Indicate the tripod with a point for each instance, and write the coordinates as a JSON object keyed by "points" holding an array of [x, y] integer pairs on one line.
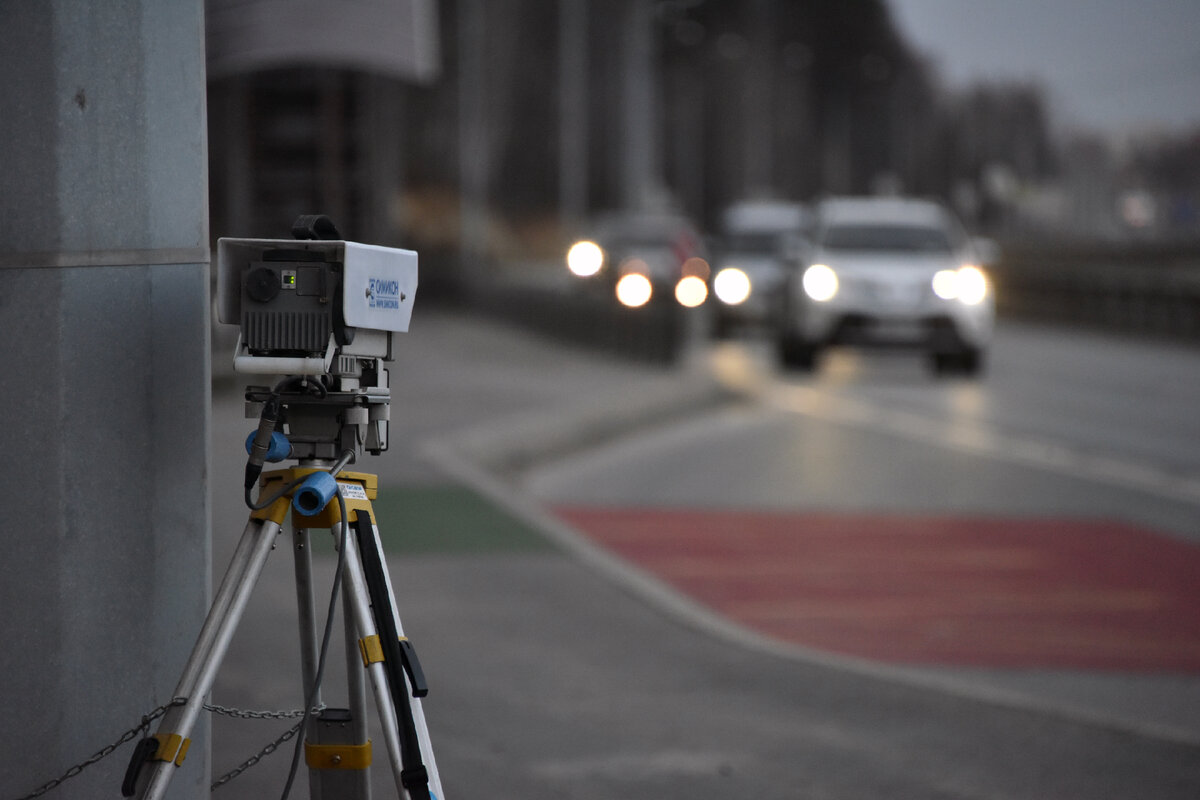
{"points": [[320, 495]]}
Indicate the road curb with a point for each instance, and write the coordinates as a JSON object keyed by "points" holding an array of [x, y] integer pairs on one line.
{"points": [[515, 444]]}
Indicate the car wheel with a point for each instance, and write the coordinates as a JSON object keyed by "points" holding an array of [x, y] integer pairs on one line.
{"points": [[968, 362], [796, 353]]}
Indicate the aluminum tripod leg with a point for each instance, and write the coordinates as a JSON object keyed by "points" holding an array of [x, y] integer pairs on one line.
{"points": [[325, 784], [201, 669]]}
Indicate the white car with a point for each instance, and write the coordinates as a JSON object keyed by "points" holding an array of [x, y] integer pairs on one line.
{"points": [[889, 271]]}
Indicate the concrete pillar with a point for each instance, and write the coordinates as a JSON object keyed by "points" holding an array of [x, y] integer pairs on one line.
{"points": [[474, 145], [641, 164], [572, 111], [104, 383]]}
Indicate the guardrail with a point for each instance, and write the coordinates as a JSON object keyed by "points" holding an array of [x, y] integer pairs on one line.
{"points": [[584, 315], [1144, 289]]}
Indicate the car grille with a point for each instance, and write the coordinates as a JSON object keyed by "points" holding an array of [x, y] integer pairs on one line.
{"points": [[886, 293]]}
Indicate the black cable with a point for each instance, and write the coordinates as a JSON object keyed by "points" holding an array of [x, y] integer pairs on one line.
{"points": [[260, 445], [286, 490], [268, 421], [311, 699]]}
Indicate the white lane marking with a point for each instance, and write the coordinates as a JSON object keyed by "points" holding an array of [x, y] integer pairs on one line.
{"points": [[981, 440]]}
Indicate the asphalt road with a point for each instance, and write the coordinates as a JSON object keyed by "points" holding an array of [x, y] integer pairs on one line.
{"points": [[557, 671]]}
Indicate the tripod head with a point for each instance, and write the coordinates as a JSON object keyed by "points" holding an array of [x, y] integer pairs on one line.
{"points": [[320, 419]]}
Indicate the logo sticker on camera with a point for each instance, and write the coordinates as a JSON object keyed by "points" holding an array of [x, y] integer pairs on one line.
{"points": [[380, 284], [384, 294]]}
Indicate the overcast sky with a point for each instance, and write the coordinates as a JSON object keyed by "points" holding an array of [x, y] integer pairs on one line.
{"points": [[1116, 66]]}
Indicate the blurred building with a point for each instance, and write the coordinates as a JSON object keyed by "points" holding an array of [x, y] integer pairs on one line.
{"points": [[447, 125], [306, 110], [541, 106]]}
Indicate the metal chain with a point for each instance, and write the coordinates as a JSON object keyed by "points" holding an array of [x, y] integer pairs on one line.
{"points": [[270, 748], [254, 759], [105, 752], [144, 725], [241, 713]]}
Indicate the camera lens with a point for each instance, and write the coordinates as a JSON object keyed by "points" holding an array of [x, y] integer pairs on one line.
{"points": [[262, 284]]}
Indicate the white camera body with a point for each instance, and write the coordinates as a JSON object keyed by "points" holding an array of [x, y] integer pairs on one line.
{"points": [[301, 304]]}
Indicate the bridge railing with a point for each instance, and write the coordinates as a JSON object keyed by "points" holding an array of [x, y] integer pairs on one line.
{"points": [[1135, 289], [1143, 289]]}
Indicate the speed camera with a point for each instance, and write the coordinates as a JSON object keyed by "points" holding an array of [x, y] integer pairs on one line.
{"points": [[302, 303]]}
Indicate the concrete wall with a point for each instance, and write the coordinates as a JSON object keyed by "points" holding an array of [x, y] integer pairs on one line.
{"points": [[104, 381]]}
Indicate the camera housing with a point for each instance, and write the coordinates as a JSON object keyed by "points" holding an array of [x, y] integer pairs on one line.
{"points": [[302, 304], [321, 311]]}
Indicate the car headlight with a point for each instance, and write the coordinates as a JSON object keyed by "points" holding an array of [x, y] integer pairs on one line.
{"points": [[634, 290], [972, 285], [585, 258], [820, 282], [732, 286], [691, 291], [967, 284]]}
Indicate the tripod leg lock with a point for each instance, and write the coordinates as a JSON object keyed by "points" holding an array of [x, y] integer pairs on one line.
{"points": [[372, 652], [169, 747], [337, 756]]}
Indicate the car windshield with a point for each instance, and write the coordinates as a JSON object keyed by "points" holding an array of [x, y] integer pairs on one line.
{"points": [[752, 242], [905, 238]]}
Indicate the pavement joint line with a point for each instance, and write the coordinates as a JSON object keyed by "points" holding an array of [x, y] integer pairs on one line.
{"points": [[645, 586]]}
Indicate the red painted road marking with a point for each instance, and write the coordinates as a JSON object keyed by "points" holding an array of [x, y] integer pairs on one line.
{"points": [[1069, 593]]}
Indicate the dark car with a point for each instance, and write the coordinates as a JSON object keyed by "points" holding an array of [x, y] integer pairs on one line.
{"points": [[640, 255]]}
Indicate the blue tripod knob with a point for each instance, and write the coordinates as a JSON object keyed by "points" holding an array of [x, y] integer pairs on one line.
{"points": [[314, 494], [278, 448]]}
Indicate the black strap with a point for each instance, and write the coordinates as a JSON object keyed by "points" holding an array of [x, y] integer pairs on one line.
{"points": [[413, 771]]}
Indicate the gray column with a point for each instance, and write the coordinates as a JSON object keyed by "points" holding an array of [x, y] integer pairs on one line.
{"points": [[572, 111], [640, 166], [104, 383]]}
